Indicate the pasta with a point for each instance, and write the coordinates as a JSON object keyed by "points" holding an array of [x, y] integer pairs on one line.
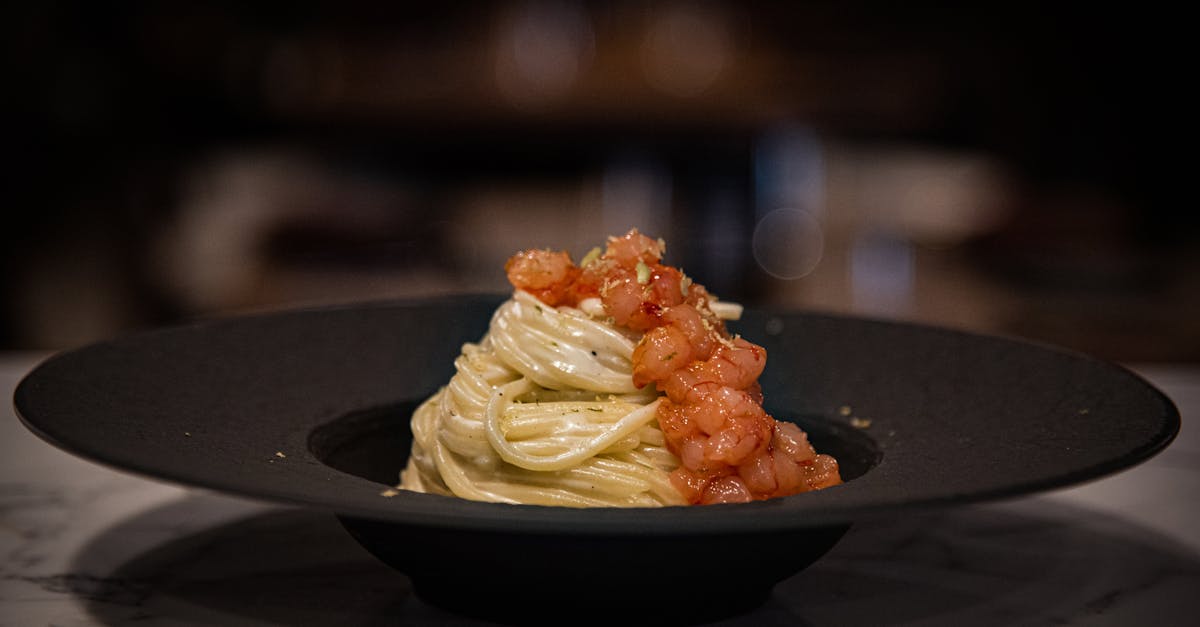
{"points": [[543, 411], [613, 383]]}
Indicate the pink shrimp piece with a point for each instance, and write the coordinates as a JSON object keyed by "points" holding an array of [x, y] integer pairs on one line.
{"points": [[633, 247], [755, 392], [686, 385], [728, 489], [737, 367], [546, 274], [791, 454], [664, 286], [640, 301], [677, 426], [622, 298], [740, 439], [719, 407], [788, 466], [789, 439], [759, 473], [584, 287], [662, 351], [822, 472], [724, 429], [692, 455], [688, 321], [689, 484], [680, 340], [788, 474], [698, 298]]}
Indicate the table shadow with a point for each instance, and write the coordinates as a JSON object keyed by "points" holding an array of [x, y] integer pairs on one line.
{"points": [[1029, 562]]}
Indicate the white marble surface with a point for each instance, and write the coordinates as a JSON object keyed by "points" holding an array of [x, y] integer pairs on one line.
{"points": [[84, 545]]}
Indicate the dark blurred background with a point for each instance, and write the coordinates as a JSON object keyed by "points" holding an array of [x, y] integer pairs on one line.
{"points": [[1002, 167]]}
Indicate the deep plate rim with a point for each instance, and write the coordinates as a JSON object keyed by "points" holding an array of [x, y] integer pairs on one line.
{"points": [[38, 410]]}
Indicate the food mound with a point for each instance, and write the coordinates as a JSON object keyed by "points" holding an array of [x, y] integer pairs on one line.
{"points": [[609, 383]]}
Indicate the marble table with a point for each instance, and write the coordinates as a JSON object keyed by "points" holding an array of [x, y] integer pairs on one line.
{"points": [[81, 544]]}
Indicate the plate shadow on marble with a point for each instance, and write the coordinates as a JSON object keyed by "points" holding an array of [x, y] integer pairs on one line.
{"points": [[979, 565]]}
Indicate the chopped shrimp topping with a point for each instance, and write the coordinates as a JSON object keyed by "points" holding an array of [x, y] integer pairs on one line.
{"points": [[545, 274], [730, 449]]}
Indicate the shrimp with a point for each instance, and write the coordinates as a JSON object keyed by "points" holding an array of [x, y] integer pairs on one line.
{"points": [[691, 322], [662, 351], [736, 365], [633, 247], [790, 466], [714, 436], [681, 340], [699, 298], [728, 489], [730, 449], [639, 298], [546, 274]]}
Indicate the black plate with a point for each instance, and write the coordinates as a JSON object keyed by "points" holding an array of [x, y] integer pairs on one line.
{"points": [[310, 407]]}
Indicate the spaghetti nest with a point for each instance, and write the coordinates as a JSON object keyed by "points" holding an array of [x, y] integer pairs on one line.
{"points": [[543, 411]]}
